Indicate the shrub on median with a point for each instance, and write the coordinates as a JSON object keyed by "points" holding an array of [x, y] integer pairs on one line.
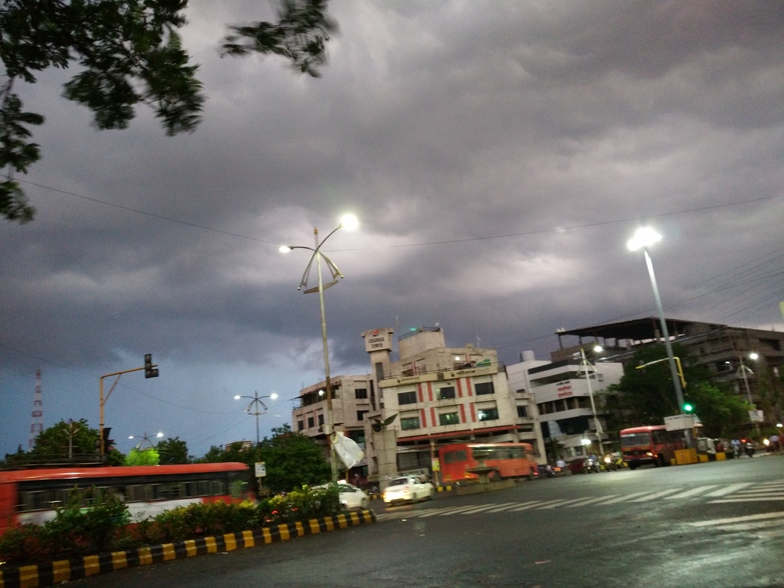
{"points": [[105, 525]]}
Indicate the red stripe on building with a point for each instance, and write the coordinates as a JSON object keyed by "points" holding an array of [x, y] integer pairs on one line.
{"points": [[433, 417], [430, 391], [419, 392], [469, 387], [423, 415], [473, 413], [462, 414], [459, 388]]}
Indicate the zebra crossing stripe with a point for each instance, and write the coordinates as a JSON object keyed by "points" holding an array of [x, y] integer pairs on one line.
{"points": [[759, 499], [728, 489], [692, 492], [655, 495], [528, 505], [595, 499], [561, 503], [750, 526], [490, 507], [747, 518], [505, 506], [622, 498]]}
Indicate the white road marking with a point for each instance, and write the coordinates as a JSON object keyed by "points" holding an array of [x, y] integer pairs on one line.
{"points": [[692, 492], [728, 489], [655, 495], [756, 517]]}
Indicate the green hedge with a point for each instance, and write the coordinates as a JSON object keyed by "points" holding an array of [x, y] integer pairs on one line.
{"points": [[105, 524]]}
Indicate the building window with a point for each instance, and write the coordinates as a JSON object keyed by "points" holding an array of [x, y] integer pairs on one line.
{"points": [[360, 393], [407, 398], [448, 418], [447, 392], [484, 388], [300, 425], [409, 423], [361, 415], [522, 411], [321, 420], [311, 422], [487, 414]]}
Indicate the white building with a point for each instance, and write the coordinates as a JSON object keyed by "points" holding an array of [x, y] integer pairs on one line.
{"points": [[567, 396]]}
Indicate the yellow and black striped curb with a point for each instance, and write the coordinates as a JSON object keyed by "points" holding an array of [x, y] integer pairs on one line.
{"points": [[38, 576]]}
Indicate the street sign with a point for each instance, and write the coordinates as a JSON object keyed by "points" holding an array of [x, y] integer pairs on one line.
{"points": [[261, 469], [680, 422]]}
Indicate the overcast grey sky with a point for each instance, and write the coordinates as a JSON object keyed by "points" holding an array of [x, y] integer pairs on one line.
{"points": [[498, 154]]}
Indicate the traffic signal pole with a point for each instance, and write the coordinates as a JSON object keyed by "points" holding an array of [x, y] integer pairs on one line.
{"points": [[149, 372]]}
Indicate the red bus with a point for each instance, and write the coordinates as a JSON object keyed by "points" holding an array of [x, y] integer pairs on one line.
{"points": [[31, 496], [650, 445], [511, 460]]}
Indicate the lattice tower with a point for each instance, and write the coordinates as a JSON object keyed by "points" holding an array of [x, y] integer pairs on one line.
{"points": [[37, 425]]}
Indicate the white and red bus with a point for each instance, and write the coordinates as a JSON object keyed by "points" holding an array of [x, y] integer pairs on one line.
{"points": [[650, 445], [31, 496], [511, 460]]}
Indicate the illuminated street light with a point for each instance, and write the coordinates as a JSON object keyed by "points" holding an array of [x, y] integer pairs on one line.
{"points": [[597, 423], [643, 238], [255, 408], [744, 370], [348, 222], [144, 438]]}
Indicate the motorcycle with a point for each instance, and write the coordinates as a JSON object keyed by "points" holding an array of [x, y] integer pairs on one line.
{"points": [[749, 449], [592, 465]]}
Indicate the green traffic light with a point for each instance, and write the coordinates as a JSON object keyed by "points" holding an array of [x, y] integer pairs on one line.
{"points": [[688, 407]]}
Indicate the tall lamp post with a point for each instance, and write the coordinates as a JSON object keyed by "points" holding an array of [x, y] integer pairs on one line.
{"points": [[348, 222], [744, 369], [597, 424], [255, 408], [643, 238]]}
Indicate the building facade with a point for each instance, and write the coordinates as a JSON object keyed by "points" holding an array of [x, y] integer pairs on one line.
{"points": [[433, 395], [568, 398], [352, 400], [725, 350]]}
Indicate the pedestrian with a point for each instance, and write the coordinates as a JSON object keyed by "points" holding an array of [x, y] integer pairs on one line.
{"points": [[774, 443]]}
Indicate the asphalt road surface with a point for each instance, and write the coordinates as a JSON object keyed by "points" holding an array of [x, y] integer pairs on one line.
{"points": [[717, 524]]}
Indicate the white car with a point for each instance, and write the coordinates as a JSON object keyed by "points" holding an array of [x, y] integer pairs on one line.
{"points": [[408, 489], [351, 497]]}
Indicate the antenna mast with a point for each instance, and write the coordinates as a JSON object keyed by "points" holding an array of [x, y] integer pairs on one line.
{"points": [[37, 425]]}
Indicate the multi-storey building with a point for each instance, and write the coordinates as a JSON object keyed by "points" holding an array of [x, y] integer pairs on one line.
{"points": [[352, 399], [435, 395], [724, 350], [568, 395]]}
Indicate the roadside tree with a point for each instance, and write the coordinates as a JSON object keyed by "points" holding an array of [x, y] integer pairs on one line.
{"points": [[128, 52]]}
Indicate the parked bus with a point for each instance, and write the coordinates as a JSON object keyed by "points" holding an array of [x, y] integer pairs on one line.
{"points": [[31, 496], [650, 445], [511, 460]]}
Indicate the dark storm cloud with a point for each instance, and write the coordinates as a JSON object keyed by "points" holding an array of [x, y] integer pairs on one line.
{"points": [[498, 154]]}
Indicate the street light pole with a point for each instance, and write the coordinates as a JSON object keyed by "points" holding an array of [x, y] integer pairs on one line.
{"points": [[349, 222], [743, 370], [144, 437], [255, 403], [643, 238], [597, 424]]}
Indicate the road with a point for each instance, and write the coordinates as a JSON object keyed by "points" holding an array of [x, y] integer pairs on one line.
{"points": [[718, 524]]}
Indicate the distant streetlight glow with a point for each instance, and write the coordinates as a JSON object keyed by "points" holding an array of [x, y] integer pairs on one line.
{"points": [[144, 438], [255, 407]]}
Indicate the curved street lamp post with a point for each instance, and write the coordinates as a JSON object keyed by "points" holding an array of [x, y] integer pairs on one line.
{"points": [[144, 438], [255, 408], [348, 222]]}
